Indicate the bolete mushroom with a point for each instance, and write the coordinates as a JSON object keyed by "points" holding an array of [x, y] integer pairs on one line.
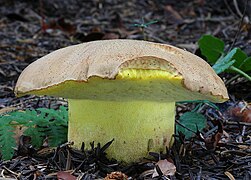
{"points": [[122, 89]]}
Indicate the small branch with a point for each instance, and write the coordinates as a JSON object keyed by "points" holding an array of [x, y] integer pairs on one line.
{"points": [[239, 28], [237, 123], [12, 172], [232, 79], [229, 8], [237, 8]]}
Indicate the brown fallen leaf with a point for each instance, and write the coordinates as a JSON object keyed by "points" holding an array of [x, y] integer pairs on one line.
{"points": [[61, 175], [96, 34], [241, 112], [24, 146], [59, 24], [18, 132], [167, 168], [116, 176], [211, 142], [7, 110], [110, 36], [173, 16]]}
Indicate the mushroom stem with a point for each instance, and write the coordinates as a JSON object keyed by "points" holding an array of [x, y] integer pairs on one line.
{"points": [[137, 127]]}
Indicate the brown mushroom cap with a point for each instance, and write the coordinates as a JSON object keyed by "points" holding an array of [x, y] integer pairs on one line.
{"points": [[104, 59]]}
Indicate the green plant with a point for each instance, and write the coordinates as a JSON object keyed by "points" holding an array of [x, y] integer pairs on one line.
{"points": [[142, 25], [37, 124], [235, 61], [191, 122]]}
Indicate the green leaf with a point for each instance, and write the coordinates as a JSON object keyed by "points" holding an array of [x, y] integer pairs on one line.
{"points": [[239, 57], [246, 65], [191, 120], [225, 62], [219, 68], [211, 47]]}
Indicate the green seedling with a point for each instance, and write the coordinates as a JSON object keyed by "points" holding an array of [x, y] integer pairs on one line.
{"points": [[235, 61], [142, 25]]}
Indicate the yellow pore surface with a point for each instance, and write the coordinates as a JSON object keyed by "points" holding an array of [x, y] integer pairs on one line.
{"points": [[129, 84]]}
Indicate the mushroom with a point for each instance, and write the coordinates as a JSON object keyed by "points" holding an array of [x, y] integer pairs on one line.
{"points": [[123, 90]]}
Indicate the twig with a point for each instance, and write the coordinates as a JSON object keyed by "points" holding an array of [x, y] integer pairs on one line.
{"points": [[229, 8], [43, 28], [232, 79], [10, 171], [237, 123], [212, 19], [237, 8], [229, 175], [157, 39], [239, 27]]}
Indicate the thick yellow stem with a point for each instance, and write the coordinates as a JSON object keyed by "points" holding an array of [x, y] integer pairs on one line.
{"points": [[136, 126]]}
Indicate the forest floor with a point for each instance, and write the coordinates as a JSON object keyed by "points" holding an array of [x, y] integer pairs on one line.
{"points": [[32, 29]]}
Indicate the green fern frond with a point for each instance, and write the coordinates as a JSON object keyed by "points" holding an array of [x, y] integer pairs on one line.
{"points": [[37, 135], [57, 135], [7, 141], [40, 123], [61, 115]]}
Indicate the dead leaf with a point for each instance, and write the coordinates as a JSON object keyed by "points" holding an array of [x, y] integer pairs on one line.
{"points": [[188, 12], [211, 142], [18, 132], [200, 2], [61, 175], [66, 26], [173, 16], [241, 112], [167, 168], [59, 24], [96, 33], [24, 146], [6, 110], [116, 176], [46, 151], [110, 36]]}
